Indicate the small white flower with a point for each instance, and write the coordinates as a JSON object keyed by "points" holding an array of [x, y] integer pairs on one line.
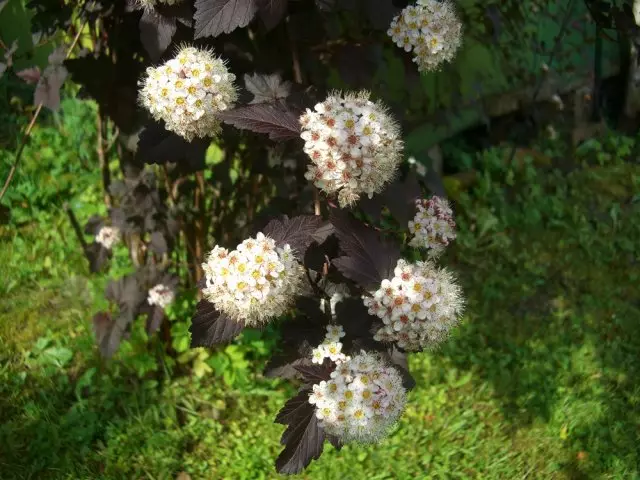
{"points": [[433, 226], [160, 295], [108, 237], [357, 405], [354, 146], [431, 29], [254, 283], [426, 303], [188, 92]]}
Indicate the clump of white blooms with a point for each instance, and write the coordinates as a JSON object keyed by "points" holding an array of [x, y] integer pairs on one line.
{"points": [[331, 347], [354, 145], [108, 237], [161, 295], [431, 29], [253, 283], [433, 226], [418, 306], [150, 4], [188, 92], [361, 401]]}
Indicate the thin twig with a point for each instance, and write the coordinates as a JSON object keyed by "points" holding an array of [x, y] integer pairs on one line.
{"points": [[27, 132], [76, 227]]}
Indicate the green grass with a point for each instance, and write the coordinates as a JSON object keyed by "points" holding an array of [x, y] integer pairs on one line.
{"points": [[539, 381]]}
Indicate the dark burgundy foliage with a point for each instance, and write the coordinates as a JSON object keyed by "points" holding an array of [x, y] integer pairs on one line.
{"points": [[159, 145], [296, 231], [303, 438], [210, 327], [315, 373], [276, 119], [214, 17], [368, 259], [98, 257]]}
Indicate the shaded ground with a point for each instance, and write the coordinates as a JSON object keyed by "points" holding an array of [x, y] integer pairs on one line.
{"points": [[540, 381]]}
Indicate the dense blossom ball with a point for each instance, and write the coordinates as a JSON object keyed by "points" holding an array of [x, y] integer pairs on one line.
{"points": [[161, 295], [108, 237], [331, 347], [188, 92], [361, 401], [433, 226], [418, 306], [354, 146], [430, 29], [255, 282]]}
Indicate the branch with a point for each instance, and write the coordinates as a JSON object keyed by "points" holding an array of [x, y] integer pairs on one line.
{"points": [[27, 132]]}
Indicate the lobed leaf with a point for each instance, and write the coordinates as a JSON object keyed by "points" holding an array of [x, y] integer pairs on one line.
{"points": [[266, 88], [211, 327], [296, 231], [277, 120], [156, 32], [158, 145], [368, 258], [110, 332], [303, 438], [272, 12], [214, 17]]}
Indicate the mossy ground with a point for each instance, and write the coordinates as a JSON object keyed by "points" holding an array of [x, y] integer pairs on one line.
{"points": [[541, 380]]}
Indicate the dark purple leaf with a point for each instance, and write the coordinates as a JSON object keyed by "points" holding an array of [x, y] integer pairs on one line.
{"points": [[210, 327], [400, 197], [126, 292], [380, 12], [266, 88], [368, 258], [354, 317], [154, 319], [303, 438], [94, 224], [295, 408], [272, 11], [156, 32], [276, 119], [97, 256], [399, 360], [110, 332], [112, 85], [296, 231], [314, 373], [335, 441], [214, 17], [358, 63], [159, 145]]}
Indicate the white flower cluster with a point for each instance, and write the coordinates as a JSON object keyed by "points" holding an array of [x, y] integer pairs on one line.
{"points": [[354, 145], [253, 283], [361, 401], [161, 295], [433, 226], [431, 29], [188, 92], [418, 306], [331, 347], [108, 237]]}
